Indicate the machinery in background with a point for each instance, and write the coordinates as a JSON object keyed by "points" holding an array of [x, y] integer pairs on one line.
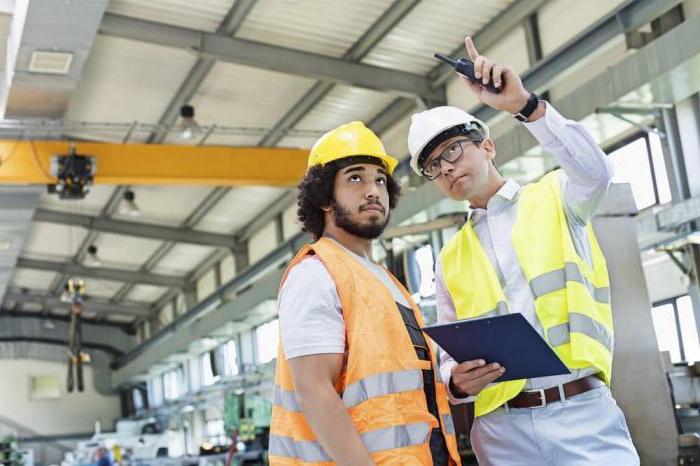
{"points": [[137, 442], [684, 384], [74, 293], [12, 455], [247, 420], [74, 175]]}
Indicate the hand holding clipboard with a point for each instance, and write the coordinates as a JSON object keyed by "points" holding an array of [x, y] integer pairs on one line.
{"points": [[508, 341]]}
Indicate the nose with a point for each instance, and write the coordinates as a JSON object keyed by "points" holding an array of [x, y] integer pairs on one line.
{"points": [[446, 167], [372, 192]]}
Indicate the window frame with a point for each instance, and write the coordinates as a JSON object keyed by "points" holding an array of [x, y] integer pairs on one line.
{"points": [[673, 301], [610, 148]]}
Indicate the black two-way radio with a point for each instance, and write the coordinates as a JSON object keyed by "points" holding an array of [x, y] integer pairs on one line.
{"points": [[465, 67]]}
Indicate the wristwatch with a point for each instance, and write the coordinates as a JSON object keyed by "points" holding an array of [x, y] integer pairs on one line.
{"points": [[529, 107]]}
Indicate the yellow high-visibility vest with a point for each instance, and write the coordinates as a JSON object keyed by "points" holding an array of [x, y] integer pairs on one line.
{"points": [[572, 299]]}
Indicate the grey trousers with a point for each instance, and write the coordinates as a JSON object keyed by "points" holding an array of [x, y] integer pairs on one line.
{"points": [[587, 429]]}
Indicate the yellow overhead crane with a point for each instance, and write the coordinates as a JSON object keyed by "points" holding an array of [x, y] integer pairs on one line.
{"points": [[27, 161]]}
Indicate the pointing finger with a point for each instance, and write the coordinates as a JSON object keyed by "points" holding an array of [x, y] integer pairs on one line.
{"points": [[471, 50]]}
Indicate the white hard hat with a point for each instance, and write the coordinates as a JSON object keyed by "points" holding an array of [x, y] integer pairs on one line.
{"points": [[429, 124]]}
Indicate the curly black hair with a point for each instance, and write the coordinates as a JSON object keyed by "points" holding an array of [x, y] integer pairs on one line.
{"points": [[316, 192]]}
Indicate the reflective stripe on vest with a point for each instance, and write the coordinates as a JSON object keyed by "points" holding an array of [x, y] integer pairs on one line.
{"points": [[286, 399], [580, 323], [375, 441], [375, 386], [382, 384], [501, 309], [556, 280], [449, 424]]}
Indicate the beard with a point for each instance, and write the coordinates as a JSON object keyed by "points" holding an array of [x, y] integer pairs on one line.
{"points": [[343, 220]]}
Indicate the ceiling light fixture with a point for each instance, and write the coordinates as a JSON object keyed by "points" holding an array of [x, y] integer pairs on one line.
{"points": [[128, 205], [189, 128], [91, 260]]}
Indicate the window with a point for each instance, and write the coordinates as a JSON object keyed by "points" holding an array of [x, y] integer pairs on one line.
{"points": [[137, 395], [676, 329], [44, 387], [194, 374], [639, 161], [267, 339], [215, 428], [425, 260], [208, 371], [155, 391], [172, 384], [660, 175], [230, 352]]}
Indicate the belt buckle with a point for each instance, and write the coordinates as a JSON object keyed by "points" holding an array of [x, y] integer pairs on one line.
{"points": [[543, 399]]}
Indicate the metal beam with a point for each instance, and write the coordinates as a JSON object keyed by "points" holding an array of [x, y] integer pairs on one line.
{"points": [[440, 223], [189, 87], [142, 230], [234, 301], [374, 34], [278, 206], [532, 38], [392, 114], [151, 164], [17, 204], [65, 343], [486, 37], [308, 101], [101, 273], [109, 209], [195, 216], [668, 68], [246, 285], [125, 327], [379, 124], [489, 35], [36, 327], [234, 19], [97, 305], [269, 57], [630, 16]]}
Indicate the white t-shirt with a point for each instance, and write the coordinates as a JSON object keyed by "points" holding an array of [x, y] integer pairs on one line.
{"points": [[311, 319]]}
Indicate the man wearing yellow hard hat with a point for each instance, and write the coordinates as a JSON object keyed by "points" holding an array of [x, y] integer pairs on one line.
{"points": [[356, 383]]}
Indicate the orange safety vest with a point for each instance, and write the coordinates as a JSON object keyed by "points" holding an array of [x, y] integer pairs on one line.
{"points": [[381, 385]]}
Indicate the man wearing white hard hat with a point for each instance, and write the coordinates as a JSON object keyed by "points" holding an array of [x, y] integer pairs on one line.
{"points": [[527, 249]]}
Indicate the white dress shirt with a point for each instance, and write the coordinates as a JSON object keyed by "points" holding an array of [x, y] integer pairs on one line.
{"points": [[587, 176]]}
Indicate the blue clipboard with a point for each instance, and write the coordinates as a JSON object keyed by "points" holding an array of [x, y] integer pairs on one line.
{"points": [[508, 340]]}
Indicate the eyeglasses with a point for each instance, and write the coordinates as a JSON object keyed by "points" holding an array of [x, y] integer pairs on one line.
{"points": [[451, 154]]}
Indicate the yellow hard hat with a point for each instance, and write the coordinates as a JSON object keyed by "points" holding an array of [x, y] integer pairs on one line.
{"points": [[350, 140]]}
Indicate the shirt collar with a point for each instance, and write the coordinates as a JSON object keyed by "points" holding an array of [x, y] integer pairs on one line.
{"points": [[509, 189], [507, 193]]}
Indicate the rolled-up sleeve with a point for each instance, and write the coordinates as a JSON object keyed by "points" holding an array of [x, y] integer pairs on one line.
{"points": [[311, 320]]}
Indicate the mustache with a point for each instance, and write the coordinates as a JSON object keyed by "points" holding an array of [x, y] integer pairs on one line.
{"points": [[372, 204]]}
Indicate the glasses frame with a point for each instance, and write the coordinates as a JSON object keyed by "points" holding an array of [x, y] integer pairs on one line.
{"points": [[437, 161]]}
